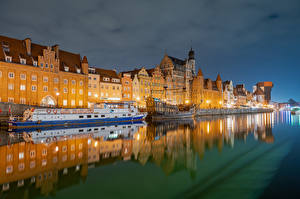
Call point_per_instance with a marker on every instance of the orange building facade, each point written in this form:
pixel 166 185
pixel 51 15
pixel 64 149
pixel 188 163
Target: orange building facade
pixel 126 86
pixel 41 75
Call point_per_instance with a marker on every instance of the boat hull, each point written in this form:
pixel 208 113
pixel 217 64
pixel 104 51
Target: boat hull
pixel 173 116
pixel 29 124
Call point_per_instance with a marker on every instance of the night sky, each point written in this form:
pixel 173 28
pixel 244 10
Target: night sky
pixel 244 41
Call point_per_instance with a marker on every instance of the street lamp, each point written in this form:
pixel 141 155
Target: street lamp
pixel 57 94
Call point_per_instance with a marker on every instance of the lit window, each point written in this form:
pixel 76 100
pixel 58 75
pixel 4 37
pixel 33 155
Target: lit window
pixel 34 63
pixel 80 103
pixel 44 162
pixel 45 88
pixel 22 87
pixel 9 169
pixel 65 102
pixel 22 101
pixel 73 91
pixel 65 81
pixel 65 90
pixel 44 152
pixel 21 166
pixel 23 61
pixel 46 66
pixel 8 59
pixel 73 82
pixel 42 65
pixel 55 159
pixel 9 157
pixel 51 66
pixel 80 91
pixel 32 154
pixel 33 78
pixel 64 148
pixel 23 76
pixel 45 79
pixel 55 89
pixel 66 68
pixel 73 103
pixel 89 94
pixel 11 75
pixel 11 99
pixel 10 86
pixel 32 164
pixel 0 73
pixel 21 155
pixel 81 83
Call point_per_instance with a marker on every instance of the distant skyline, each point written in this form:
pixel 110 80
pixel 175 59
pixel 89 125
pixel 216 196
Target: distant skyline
pixel 244 41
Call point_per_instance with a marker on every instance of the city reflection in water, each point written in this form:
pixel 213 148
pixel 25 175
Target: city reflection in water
pixel 41 163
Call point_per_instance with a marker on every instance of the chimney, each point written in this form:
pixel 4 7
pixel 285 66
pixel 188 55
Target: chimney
pixel 56 49
pixel 28 45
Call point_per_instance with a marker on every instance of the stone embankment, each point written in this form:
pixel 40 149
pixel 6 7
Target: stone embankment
pixel 205 112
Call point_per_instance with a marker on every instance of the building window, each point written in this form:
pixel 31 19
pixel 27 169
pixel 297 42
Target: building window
pixel 55 80
pixel 66 68
pixel 80 146
pixel 72 147
pixel 22 101
pixel 64 148
pixel 65 81
pixel 22 87
pixel 73 91
pixel 55 159
pixel 33 78
pixel 80 103
pixel 32 164
pixel 21 166
pixel 95 85
pixel 78 70
pixel 42 65
pixel 10 86
pixel 23 76
pixel 23 61
pixel 34 63
pixel 11 75
pixel 44 152
pixel 32 154
pixel 8 59
pixel 89 93
pixel 11 100
pixel 45 88
pixel 65 90
pixel 80 91
pixel 73 82
pixel 65 102
pixel 44 162
pixel 9 157
pixel 45 79
pixel 81 83
pixel 9 169
pixel 33 88
pixel 51 66
pixel 46 65
pixel 0 73
pixel 73 103
pixel 21 155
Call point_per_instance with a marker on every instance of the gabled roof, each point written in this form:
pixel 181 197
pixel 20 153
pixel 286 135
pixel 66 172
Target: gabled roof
pixel 17 49
pixel 107 73
pixel 200 74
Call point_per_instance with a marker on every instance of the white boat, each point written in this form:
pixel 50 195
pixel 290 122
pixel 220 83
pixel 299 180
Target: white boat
pixel 101 113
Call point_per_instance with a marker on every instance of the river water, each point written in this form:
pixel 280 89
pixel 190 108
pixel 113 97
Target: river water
pixel 235 156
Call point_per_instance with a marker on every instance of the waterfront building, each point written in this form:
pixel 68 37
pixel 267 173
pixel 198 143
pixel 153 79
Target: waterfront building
pixel 110 85
pixel 206 93
pixel 228 96
pixel 135 88
pixel 33 74
pixel 157 85
pixel 93 87
pixel 265 88
pixel 126 86
pixel 178 75
pixel 240 95
pixel 144 81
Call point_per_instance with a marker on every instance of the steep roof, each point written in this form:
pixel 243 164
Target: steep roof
pixel 16 48
pixel 177 61
pixel 107 73
pixel 150 71
pixel 219 78
pixel 200 74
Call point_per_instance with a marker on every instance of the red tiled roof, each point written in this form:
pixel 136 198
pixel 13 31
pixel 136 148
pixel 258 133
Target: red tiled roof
pixel 107 73
pixel 17 49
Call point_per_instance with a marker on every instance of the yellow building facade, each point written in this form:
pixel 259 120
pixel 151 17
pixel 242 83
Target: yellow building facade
pixel 93 87
pixel 39 75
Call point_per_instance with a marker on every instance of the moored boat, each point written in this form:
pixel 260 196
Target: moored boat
pixel 100 113
pixel 295 111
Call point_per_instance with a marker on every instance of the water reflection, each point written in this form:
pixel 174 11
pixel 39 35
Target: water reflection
pixel 44 162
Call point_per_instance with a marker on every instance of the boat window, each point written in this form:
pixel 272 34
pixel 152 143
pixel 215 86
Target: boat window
pixel 96 129
pixel 124 114
pixel 124 127
pixel 95 115
pixel 80 116
pixel 88 116
pixel 102 115
pixel 102 128
pixel 129 114
pixel 116 116
pixel 80 130
pixel 90 130
pixel 129 126
pixel 111 132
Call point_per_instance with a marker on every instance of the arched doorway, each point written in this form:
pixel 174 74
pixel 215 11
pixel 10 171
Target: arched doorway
pixel 48 101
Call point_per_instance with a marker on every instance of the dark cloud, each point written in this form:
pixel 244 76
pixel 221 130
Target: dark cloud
pixel 246 41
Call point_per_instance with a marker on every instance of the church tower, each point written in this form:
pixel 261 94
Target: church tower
pixel 191 62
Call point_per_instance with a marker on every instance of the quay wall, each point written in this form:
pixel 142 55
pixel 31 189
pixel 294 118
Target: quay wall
pixel 16 109
pixel 205 112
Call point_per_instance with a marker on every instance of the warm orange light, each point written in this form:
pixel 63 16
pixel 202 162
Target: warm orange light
pixel 207 101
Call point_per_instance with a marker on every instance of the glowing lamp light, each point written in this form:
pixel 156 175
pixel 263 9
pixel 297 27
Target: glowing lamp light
pixel 138 137
pixel 57 94
pixel 138 98
pixel 220 102
pixel 186 101
pixel 96 144
pixel 207 101
pixel 56 148
pixel 96 95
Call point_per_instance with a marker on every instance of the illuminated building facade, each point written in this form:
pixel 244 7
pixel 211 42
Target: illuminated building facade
pixel 126 86
pixel 33 74
pixel 93 87
pixel 207 94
